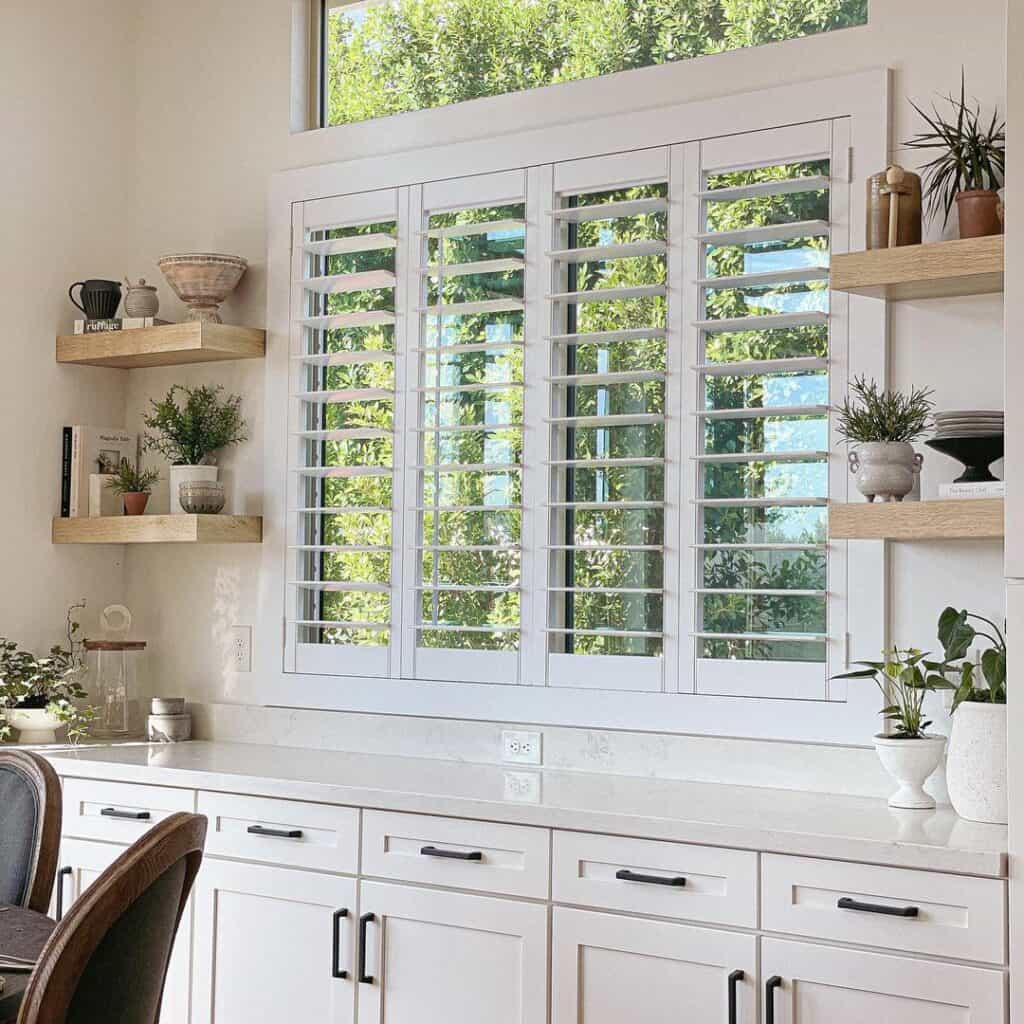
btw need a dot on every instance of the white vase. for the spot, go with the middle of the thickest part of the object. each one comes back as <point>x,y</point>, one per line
<point>181,474</point>
<point>976,767</point>
<point>885,469</point>
<point>34,725</point>
<point>910,763</point>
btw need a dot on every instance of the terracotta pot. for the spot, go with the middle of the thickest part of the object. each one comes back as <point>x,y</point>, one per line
<point>135,503</point>
<point>979,213</point>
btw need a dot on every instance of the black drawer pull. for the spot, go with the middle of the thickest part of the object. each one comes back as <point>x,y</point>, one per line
<point>770,986</point>
<point>60,889</point>
<point>275,833</point>
<point>433,851</point>
<point>625,875</point>
<point>113,812</point>
<point>876,908</point>
<point>364,978</point>
<point>336,971</point>
<point>734,979</point>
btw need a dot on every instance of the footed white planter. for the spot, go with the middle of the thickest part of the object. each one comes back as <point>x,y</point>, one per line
<point>181,474</point>
<point>976,768</point>
<point>910,763</point>
<point>34,725</point>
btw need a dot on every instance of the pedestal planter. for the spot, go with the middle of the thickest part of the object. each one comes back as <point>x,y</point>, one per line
<point>910,763</point>
<point>976,768</point>
<point>34,725</point>
<point>885,469</point>
<point>187,474</point>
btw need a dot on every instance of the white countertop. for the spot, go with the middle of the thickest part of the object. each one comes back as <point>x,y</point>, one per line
<point>773,820</point>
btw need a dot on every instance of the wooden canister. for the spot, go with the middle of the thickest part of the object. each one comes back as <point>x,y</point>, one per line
<point>908,229</point>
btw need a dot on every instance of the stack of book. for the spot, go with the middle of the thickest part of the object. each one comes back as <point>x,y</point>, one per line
<point>128,323</point>
<point>91,451</point>
<point>987,489</point>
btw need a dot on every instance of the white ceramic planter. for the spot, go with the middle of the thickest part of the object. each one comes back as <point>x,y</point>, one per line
<point>976,767</point>
<point>34,725</point>
<point>181,474</point>
<point>885,469</point>
<point>910,763</point>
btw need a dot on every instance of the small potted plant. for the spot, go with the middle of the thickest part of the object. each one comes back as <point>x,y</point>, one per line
<point>970,167</point>
<point>189,434</point>
<point>908,753</point>
<point>976,766</point>
<point>39,695</point>
<point>880,426</point>
<point>134,486</point>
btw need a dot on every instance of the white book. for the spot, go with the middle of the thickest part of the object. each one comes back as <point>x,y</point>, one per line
<point>90,445</point>
<point>987,489</point>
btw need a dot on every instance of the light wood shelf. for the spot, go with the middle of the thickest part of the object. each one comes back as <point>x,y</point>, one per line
<point>166,345</point>
<point>179,529</point>
<point>966,266</point>
<point>960,519</point>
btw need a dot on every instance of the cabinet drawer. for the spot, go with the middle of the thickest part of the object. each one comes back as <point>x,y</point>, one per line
<point>119,812</point>
<point>283,832</point>
<point>510,859</point>
<point>893,908</point>
<point>637,875</point>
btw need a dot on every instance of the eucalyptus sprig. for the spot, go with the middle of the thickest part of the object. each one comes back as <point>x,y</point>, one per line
<point>873,414</point>
<point>189,433</point>
<point>957,636</point>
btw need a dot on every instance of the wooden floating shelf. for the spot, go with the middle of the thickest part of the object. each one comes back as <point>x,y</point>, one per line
<point>961,519</point>
<point>166,345</point>
<point>966,266</point>
<point>180,529</point>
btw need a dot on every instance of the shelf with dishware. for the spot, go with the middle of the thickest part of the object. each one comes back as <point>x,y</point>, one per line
<point>158,529</point>
<point>962,266</point>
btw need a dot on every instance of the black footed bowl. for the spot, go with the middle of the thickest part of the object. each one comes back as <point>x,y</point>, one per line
<point>976,453</point>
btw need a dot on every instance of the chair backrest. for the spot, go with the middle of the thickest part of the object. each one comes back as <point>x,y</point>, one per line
<point>30,813</point>
<point>107,959</point>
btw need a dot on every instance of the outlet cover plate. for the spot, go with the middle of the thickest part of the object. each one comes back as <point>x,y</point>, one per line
<point>519,747</point>
<point>241,648</point>
<point>522,787</point>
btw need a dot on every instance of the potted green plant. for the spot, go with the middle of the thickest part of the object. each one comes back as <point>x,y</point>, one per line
<point>39,695</point>
<point>190,433</point>
<point>908,752</point>
<point>133,485</point>
<point>970,167</point>
<point>976,766</point>
<point>879,426</point>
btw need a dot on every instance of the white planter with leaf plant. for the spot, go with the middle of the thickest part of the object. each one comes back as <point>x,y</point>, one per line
<point>191,434</point>
<point>976,766</point>
<point>879,427</point>
<point>40,695</point>
<point>908,752</point>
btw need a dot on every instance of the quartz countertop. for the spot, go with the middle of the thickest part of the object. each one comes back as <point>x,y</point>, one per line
<point>743,817</point>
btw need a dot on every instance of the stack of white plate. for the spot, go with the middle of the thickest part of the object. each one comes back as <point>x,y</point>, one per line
<point>969,423</point>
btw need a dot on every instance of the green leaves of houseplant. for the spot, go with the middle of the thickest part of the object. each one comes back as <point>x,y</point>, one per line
<point>957,636</point>
<point>873,414</point>
<point>189,433</point>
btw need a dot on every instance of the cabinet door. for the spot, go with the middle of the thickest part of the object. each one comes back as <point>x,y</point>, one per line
<point>809,984</point>
<point>610,970</point>
<point>435,957</point>
<point>81,863</point>
<point>269,944</point>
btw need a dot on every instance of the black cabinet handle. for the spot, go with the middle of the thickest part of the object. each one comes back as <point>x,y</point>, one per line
<point>876,908</point>
<point>770,986</point>
<point>336,971</point>
<point>364,978</point>
<point>433,851</point>
<point>734,979</point>
<point>60,890</point>
<point>625,875</point>
<point>113,812</point>
<point>275,833</point>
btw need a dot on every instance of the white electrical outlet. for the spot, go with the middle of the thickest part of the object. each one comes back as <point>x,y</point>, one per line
<point>241,648</point>
<point>522,787</point>
<point>520,747</point>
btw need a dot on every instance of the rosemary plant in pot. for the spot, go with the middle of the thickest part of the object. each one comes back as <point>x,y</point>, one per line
<point>879,427</point>
<point>976,766</point>
<point>134,486</point>
<point>908,752</point>
<point>969,170</point>
<point>189,434</point>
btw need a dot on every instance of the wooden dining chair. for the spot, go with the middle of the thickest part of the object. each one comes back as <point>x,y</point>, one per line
<point>107,959</point>
<point>30,813</point>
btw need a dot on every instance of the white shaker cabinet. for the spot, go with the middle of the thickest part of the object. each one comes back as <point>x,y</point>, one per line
<point>272,944</point>
<point>434,957</point>
<point>608,969</point>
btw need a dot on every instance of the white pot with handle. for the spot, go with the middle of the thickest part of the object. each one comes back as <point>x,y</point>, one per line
<point>976,767</point>
<point>183,474</point>
<point>885,469</point>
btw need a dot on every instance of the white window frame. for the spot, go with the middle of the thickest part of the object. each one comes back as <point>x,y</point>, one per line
<point>849,714</point>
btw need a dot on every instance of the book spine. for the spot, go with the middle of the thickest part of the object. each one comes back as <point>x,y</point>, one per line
<point>65,473</point>
<point>991,489</point>
<point>76,459</point>
<point>128,323</point>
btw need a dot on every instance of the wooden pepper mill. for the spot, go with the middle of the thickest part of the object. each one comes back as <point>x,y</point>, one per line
<point>893,208</point>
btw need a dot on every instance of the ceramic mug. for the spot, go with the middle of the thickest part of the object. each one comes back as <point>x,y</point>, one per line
<point>99,298</point>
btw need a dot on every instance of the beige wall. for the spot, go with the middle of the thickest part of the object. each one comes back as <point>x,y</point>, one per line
<point>211,123</point>
<point>67,182</point>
